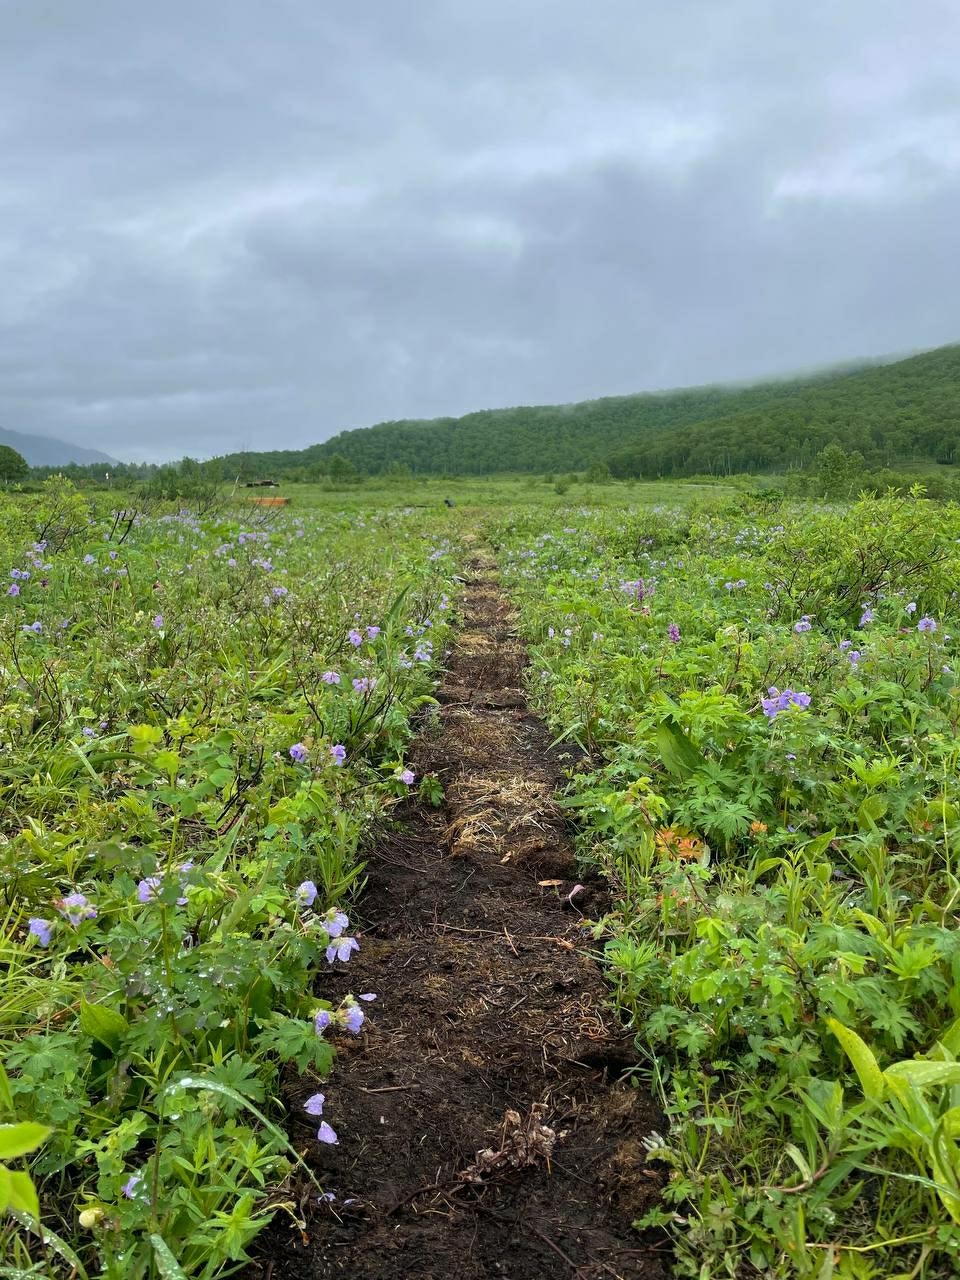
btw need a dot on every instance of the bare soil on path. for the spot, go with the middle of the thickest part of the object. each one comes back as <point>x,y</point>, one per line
<point>482,1129</point>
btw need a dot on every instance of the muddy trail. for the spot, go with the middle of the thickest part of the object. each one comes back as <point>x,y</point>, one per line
<point>482,1129</point>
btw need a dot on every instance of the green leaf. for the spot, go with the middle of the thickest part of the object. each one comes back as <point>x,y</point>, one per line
<point>951,1038</point>
<point>923,1075</point>
<point>864,1063</point>
<point>146,733</point>
<point>814,848</point>
<point>214,1086</point>
<point>800,1160</point>
<point>23,1194</point>
<point>6,1097</point>
<point>168,761</point>
<point>103,1024</point>
<point>52,1241</point>
<point>19,1139</point>
<point>167,1264</point>
<point>677,753</point>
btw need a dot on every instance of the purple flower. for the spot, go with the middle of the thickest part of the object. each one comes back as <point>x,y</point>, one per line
<point>35,627</point>
<point>867,616</point>
<point>353,1018</point>
<point>76,907</point>
<point>42,930</point>
<point>803,625</point>
<point>129,1188</point>
<point>673,631</point>
<point>844,645</point>
<point>13,589</point>
<point>307,893</point>
<point>335,921</point>
<point>326,1134</point>
<point>339,753</point>
<point>926,624</point>
<point>342,949</point>
<point>777,701</point>
<point>372,633</point>
<point>355,638</point>
<point>331,677</point>
<point>148,889</point>
<point>158,621</point>
<point>853,657</point>
<point>321,1020</point>
<point>298,753</point>
<point>88,559</point>
<point>408,777</point>
<point>366,684</point>
<point>314,1104</point>
<point>639,589</point>
<point>911,607</point>
<point>88,732</point>
<point>369,995</point>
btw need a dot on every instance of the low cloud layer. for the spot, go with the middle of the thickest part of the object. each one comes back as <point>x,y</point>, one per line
<point>236,224</point>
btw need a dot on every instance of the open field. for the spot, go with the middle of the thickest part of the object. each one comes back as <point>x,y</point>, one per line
<point>218,724</point>
<point>480,495</point>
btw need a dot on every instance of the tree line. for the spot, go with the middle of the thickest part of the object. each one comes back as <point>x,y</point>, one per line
<point>888,414</point>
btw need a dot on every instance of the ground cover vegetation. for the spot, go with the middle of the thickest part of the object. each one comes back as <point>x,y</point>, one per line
<point>768,699</point>
<point>203,715</point>
<point>204,718</point>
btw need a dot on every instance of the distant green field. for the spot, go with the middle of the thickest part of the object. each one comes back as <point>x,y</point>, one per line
<point>486,492</point>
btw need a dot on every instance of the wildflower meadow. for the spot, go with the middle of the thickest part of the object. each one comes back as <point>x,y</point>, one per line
<point>768,700</point>
<point>205,723</point>
<point>203,715</point>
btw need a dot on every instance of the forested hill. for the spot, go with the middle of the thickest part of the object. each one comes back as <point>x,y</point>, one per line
<point>907,409</point>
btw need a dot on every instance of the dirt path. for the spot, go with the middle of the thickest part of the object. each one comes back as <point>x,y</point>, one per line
<point>481,1129</point>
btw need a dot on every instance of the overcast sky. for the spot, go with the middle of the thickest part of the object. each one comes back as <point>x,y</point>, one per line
<point>252,223</point>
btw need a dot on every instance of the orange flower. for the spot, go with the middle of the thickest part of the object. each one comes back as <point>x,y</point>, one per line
<point>758,828</point>
<point>678,844</point>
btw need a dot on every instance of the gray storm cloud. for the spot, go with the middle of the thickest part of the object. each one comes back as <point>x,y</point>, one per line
<point>238,224</point>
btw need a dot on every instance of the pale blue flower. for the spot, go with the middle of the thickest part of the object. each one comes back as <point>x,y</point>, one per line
<point>307,893</point>
<point>353,1018</point>
<point>342,949</point>
<point>335,921</point>
<point>42,930</point>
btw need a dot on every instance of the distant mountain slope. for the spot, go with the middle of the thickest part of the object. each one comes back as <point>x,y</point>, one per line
<point>45,451</point>
<point>904,409</point>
